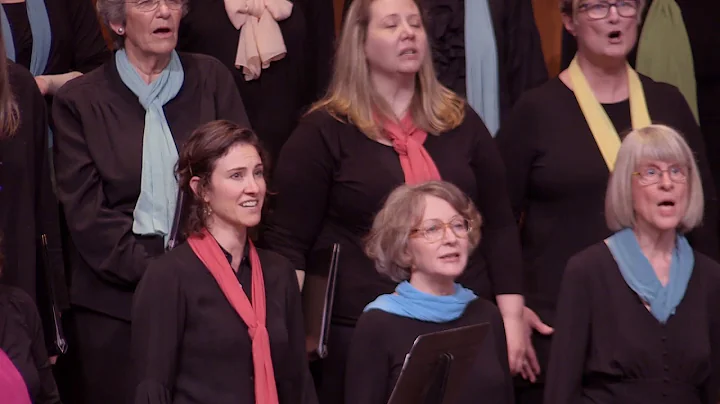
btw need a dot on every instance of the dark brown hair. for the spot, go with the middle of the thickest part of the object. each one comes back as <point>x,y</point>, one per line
<point>207,144</point>
<point>9,112</point>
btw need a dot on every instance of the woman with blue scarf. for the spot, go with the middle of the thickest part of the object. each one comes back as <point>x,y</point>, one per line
<point>637,319</point>
<point>119,129</point>
<point>422,238</point>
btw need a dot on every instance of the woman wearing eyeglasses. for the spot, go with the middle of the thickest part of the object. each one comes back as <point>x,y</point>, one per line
<point>119,129</point>
<point>559,146</point>
<point>637,318</point>
<point>422,238</point>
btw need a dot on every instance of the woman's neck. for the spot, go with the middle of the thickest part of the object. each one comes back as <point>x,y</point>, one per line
<point>231,238</point>
<point>608,79</point>
<point>657,246</point>
<point>148,66</point>
<point>397,91</point>
<point>438,286</point>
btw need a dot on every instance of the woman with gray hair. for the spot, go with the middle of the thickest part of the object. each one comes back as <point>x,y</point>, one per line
<point>637,319</point>
<point>422,238</point>
<point>559,147</point>
<point>119,128</point>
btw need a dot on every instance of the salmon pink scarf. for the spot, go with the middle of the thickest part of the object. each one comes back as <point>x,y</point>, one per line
<point>407,140</point>
<point>261,40</point>
<point>209,252</point>
<point>12,386</point>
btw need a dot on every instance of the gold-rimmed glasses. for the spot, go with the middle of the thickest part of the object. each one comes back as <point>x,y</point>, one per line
<point>433,230</point>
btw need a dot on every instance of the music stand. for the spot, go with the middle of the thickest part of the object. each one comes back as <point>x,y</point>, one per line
<point>318,297</point>
<point>436,369</point>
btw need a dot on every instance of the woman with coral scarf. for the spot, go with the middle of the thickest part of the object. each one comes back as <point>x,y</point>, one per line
<point>217,320</point>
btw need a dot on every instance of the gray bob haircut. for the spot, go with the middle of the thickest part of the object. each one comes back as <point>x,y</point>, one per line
<point>654,142</point>
<point>113,12</point>
<point>403,211</point>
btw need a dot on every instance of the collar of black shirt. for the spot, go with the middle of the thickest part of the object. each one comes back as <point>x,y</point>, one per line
<point>244,261</point>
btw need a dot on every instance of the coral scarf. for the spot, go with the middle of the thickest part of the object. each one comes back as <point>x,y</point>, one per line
<point>261,40</point>
<point>407,140</point>
<point>209,252</point>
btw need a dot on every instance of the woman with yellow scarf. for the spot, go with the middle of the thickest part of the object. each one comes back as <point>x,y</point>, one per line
<point>559,146</point>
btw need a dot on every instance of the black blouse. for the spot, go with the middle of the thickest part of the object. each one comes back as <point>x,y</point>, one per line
<point>608,348</point>
<point>21,338</point>
<point>332,179</point>
<point>28,207</point>
<point>557,181</point>
<point>98,162</point>
<point>382,341</point>
<point>77,41</point>
<point>276,100</point>
<point>191,347</point>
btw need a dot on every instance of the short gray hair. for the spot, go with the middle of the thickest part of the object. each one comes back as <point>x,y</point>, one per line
<point>654,142</point>
<point>403,211</point>
<point>113,12</point>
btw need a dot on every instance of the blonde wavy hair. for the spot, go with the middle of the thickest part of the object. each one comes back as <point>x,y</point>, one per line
<point>352,97</point>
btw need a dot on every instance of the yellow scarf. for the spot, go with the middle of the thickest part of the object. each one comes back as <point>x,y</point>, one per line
<point>602,128</point>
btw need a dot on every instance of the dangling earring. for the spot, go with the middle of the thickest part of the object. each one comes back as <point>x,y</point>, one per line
<point>207,210</point>
<point>121,31</point>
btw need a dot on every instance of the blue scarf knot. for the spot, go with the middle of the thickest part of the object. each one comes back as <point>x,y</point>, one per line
<point>641,278</point>
<point>155,207</point>
<point>409,302</point>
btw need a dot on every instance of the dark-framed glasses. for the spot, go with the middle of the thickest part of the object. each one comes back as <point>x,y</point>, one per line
<point>433,230</point>
<point>597,10</point>
<point>650,175</point>
<point>152,5</point>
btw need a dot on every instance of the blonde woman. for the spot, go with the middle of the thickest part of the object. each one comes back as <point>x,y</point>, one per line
<point>385,121</point>
<point>637,318</point>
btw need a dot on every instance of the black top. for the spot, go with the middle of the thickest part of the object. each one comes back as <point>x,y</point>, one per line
<point>21,338</point>
<point>77,42</point>
<point>331,180</point>
<point>28,207</point>
<point>276,100</point>
<point>382,341</point>
<point>191,346</point>
<point>608,348</point>
<point>558,178</point>
<point>98,162</point>
<point>521,64</point>
<point>699,18</point>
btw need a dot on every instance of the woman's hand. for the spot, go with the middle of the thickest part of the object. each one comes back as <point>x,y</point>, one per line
<point>51,83</point>
<point>530,367</point>
<point>517,341</point>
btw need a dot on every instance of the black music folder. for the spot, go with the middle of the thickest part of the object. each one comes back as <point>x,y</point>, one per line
<point>317,298</point>
<point>176,236</point>
<point>437,367</point>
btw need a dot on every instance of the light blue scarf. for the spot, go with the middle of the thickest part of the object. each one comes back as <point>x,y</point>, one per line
<point>641,278</point>
<point>481,63</point>
<point>410,302</point>
<point>41,34</point>
<point>155,207</point>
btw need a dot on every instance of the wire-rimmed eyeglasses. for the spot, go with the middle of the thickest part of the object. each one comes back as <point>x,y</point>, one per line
<point>152,5</point>
<point>651,175</point>
<point>597,10</point>
<point>433,230</point>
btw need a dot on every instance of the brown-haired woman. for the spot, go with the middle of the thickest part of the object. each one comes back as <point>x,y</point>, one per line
<point>28,207</point>
<point>386,120</point>
<point>422,238</point>
<point>196,337</point>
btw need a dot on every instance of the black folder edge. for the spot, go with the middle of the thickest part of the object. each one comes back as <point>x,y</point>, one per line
<point>175,237</point>
<point>57,334</point>
<point>440,351</point>
<point>318,317</point>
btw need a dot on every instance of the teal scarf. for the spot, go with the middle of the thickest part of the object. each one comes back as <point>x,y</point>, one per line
<point>481,63</point>
<point>41,34</point>
<point>640,276</point>
<point>155,207</point>
<point>410,302</point>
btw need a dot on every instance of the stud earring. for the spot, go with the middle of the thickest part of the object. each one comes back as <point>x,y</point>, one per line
<point>121,31</point>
